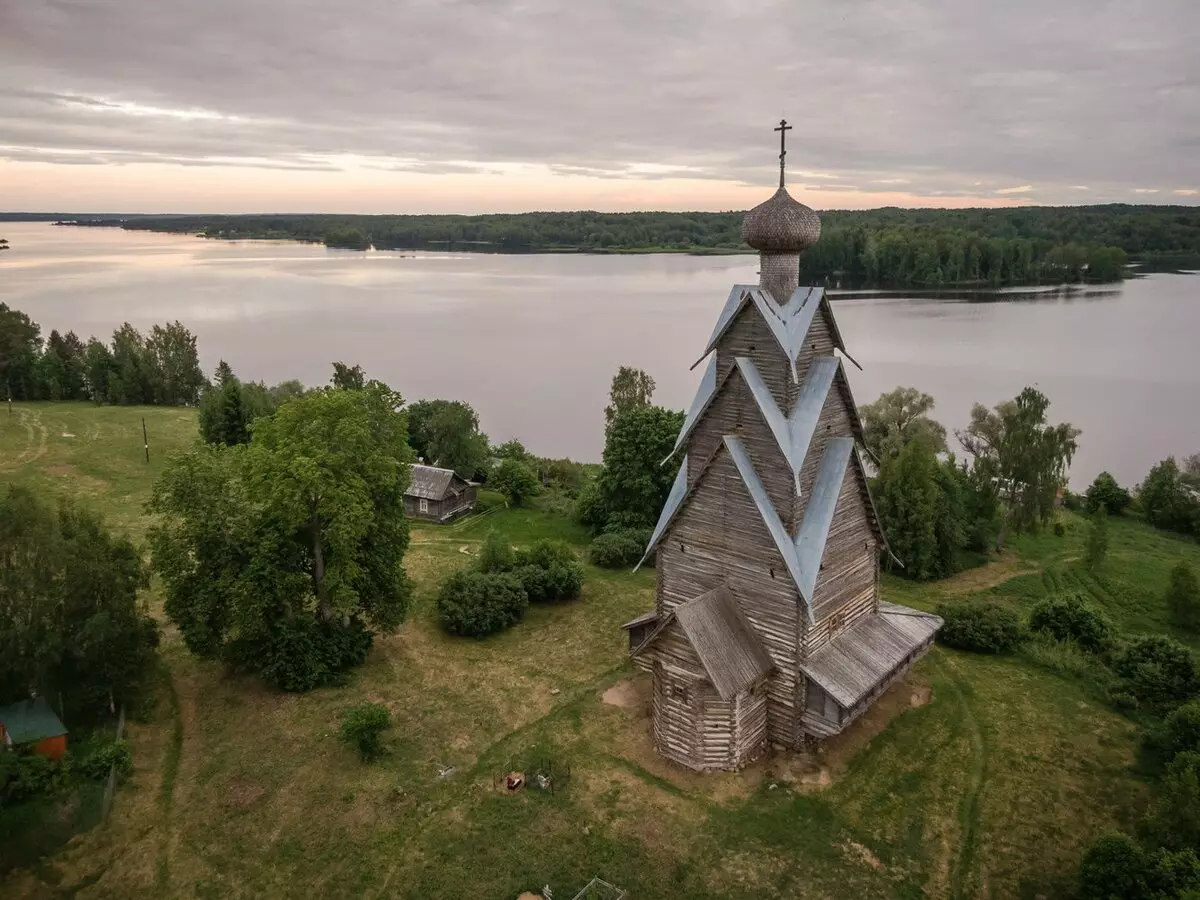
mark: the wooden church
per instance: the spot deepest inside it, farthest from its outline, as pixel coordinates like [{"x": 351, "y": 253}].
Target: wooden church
[{"x": 767, "y": 626}]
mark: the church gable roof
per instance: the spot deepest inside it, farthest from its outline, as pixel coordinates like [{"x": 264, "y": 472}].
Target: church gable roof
[
  {"x": 802, "y": 554},
  {"x": 789, "y": 323}
]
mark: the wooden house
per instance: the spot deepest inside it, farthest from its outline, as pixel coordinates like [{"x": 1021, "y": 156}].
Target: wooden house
[
  {"x": 767, "y": 626},
  {"x": 33, "y": 723},
  {"x": 438, "y": 495}
]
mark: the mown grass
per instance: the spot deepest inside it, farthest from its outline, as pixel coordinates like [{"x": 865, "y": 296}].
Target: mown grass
[{"x": 990, "y": 789}]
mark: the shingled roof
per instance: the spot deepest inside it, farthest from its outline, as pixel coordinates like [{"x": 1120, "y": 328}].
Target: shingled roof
[
  {"x": 725, "y": 642},
  {"x": 858, "y": 659},
  {"x": 429, "y": 482}
]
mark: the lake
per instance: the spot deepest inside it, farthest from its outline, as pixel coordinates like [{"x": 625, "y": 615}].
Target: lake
[{"x": 532, "y": 341}]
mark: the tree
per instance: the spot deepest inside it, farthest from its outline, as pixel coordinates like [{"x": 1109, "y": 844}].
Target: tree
[
  {"x": 348, "y": 378},
  {"x": 1114, "y": 868},
  {"x": 223, "y": 373},
  {"x": 455, "y": 441},
  {"x": 896, "y": 419},
  {"x": 174, "y": 366},
  {"x": 1105, "y": 492},
  {"x": 1166, "y": 501},
  {"x": 514, "y": 480},
  {"x": 631, "y": 389},
  {"x": 1028, "y": 458},
  {"x": 513, "y": 449},
  {"x": 1183, "y": 597},
  {"x": 129, "y": 380},
  {"x": 284, "y": 555},
  {"x": 98, "y": 367},
  {"x": 71, "y": 623},
  {"x": 224, "y": 418},
  {"x": 20, "y": 344},
  {"x": 1096, "y": 548},
  {"x": 634, "y": 484},
  {"x": 908, "y": 497}
]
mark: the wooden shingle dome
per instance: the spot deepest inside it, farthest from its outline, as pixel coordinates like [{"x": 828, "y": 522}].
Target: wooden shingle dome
[{"x": 781, "y": 225}]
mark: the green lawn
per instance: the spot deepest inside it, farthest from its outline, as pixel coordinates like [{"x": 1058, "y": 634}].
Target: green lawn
[{"x": 977, "y": 777}]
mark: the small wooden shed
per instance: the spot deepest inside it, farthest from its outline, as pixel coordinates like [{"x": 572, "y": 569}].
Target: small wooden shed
[
  {"x": 438, "y": 495},
  {"x": 33, "y": 722}
]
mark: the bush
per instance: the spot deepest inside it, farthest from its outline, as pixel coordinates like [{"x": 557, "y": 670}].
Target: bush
[
  {"x": 980, "y": 626},
  {"x": 1071, "y": 618},
  {"x": 547, "y": 554},
  {"x": 496, "y": 555},
  {"x": 476, "y": 604},
  {"x": 1178, "y": 735},
  {"x": 1060, "y": 530},
  {"x": 1113, "y": 868},
  {"x": 363, "y": 727},
  {"x": 24, "y": 775},
  {"x": 1174, "y": 820},
  {"x": 97, "y": 762},
  {"x": 616, "y": 550},
  {"x": 1183, "y": 597},
  {"x": 301, "y": 654},
  {"x": 1106, "y": 493},
  {"x": 554, "y": 584},
  {"x": 1157, "y": 670}
]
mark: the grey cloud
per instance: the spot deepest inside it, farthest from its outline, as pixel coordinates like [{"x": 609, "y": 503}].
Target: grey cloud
[{"x": 944, "y": 93}]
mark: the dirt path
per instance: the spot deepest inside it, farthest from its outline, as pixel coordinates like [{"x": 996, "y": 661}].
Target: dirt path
[
  {"x": 166, "y": 795},
  {"x": 962, "y": 867},
  {"x": 997, "y": 571},
  {"x": 35, "y": 441}
]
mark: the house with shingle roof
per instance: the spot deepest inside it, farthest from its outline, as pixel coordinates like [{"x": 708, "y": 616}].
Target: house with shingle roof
[
  {"x": 438, "y": 495},
  {"x": 767, "y": 626}
]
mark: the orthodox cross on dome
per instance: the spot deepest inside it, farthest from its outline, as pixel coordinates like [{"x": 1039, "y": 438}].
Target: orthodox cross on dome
[{"x": 783, "y": 128}]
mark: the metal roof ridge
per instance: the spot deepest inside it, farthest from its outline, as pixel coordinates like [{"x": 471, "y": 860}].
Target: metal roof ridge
[
  {"x": 820, "y": 509},
  {"x": 770, "y": 516}
]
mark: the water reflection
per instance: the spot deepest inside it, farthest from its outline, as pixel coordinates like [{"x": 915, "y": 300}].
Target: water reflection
[{"x": 533, "y": 340}]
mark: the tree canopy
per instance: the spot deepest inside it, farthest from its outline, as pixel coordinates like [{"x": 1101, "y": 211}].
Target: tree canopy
[
  {"x": 71, "y": 622},
  {"x": 897, "y": 418},
  {"x": 631, "y": 389},
  {"x": 633, "y": 485},
  {"x": 284, "y": 554},
  {"x": 1027, "y": 458},
  {"x": 446, "y": 433}
]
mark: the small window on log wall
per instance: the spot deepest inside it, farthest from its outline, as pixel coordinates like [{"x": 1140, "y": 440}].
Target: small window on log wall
[
  {"x": 682, "y": 549},
  {"x": 772, "y": 573},
  {"x": 835, "y": 624}
]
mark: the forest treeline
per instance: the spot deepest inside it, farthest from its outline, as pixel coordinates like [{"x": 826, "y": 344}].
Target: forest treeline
[{"x": 888, "y": 247}]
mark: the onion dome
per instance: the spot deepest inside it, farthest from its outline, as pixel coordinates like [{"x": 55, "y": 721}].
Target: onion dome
[{"x": 781, "y": 224}]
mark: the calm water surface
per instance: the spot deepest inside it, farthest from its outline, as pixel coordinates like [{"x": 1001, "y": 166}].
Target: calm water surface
[{"x": 532, "y": 341}]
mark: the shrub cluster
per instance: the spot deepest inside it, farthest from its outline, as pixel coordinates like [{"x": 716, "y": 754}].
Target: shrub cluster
[
  {"x": 363, "y": 727},
  {"x": 1158, "y": 671},
  {"x": 476, "y": 604},
  {"x": 980, "y": 626},
  {"x": 1069, "y": 617},
  {"x": 619, "y": 548},
  {"x": 495, "y": 594}
]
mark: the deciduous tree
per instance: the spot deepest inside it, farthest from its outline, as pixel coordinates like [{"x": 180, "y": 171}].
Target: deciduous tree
[
  {"x": 897, "y": 418},
  {"x": 515, "y": 480},
  {"x": 285, "y": 554},
  {"x": 634, "y": 484},
  {"x": 71, "y": 622},
  {"x": 1028, "y": 458},
  {"x": 631, "y": 389}
]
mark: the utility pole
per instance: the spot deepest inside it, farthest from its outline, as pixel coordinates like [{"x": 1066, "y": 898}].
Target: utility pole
[{"x": 145, "y": 439}]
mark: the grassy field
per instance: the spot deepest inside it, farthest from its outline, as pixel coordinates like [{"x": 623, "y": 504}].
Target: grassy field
[{"x": 977, "y": 777}]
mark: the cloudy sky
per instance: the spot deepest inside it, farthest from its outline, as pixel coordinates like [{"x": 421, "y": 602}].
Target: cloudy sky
[{"x": 508, "y": 105}]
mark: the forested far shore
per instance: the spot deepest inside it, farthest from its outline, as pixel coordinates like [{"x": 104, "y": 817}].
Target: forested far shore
[{"x": 888, "y": 247}]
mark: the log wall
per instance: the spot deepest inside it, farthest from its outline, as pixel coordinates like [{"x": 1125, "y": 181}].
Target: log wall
[{"x": 719, "y": 537}]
